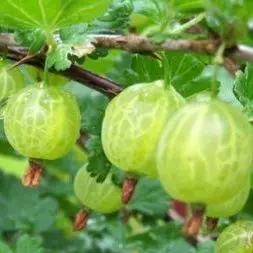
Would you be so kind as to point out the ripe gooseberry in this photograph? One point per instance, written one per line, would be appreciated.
(230, 207)
(236, 238)
(100, 197)
(205, 152)
(42, 123)
(133, 123)
(11, 81)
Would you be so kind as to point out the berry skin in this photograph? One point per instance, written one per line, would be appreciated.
(133, 123)
(100, 197)
(237, 238)
(42, 123)
(11, 81)
(230, 207)
(205, 152)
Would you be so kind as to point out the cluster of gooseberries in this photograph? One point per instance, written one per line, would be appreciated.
(200, 149)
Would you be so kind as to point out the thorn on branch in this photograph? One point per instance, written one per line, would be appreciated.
(33, 175)
(211, 223)
(23, 61)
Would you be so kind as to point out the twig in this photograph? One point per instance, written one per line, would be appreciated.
(131, 43)
(76, 73)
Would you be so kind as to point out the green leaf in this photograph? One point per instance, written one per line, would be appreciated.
(4, 248)
(23, 208)
(158, 239)
(33, 39)
(75, 34)
(134, 68)
(98, 165)
(93, 114)
(49, 15)
(206, 247)
(58, 57)
(155, 13)
(184, 71)
(197, 85)
(177, 246)
(28, 244)
(150, 198)
(189, 6)
(229, 18)
(61, 56)
(116, 19)
(243, 88)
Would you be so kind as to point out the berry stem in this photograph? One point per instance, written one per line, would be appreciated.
(166, 69)
(128, 189)
(33, 174)
(81, 220)
(217, 60)
(192, 226)
(211, 223)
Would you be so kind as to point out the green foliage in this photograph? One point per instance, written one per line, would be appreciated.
(229, 18)
(33, 39)
(25, 244)
(115, 20)
(40, 13)
(243, 88)
(184, 71)
(23, 209)
(59, 57)
(150, 198)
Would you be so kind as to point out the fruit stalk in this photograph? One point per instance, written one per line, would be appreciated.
(211, 223)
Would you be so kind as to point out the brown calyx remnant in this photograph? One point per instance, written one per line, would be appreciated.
(211, 223)
(128, 189)
(81, 220)
(192, 226)
(33, 175)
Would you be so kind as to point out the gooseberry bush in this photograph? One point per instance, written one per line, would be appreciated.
(126, 126)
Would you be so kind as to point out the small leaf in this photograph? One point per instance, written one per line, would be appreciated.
(33, 39)
(59, 57)
(23, 208)
(243, 88)
(150, 198)
(115, 20)
(98, 165)
(229, 18)
(182, 69)
(28, 244)
(197, 85)
(63, 55)
(206, 247)
(155, 240)
(93, 114)
(75, 34)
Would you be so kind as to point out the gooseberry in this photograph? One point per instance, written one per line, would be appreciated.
(42, 123)
(133, 123)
